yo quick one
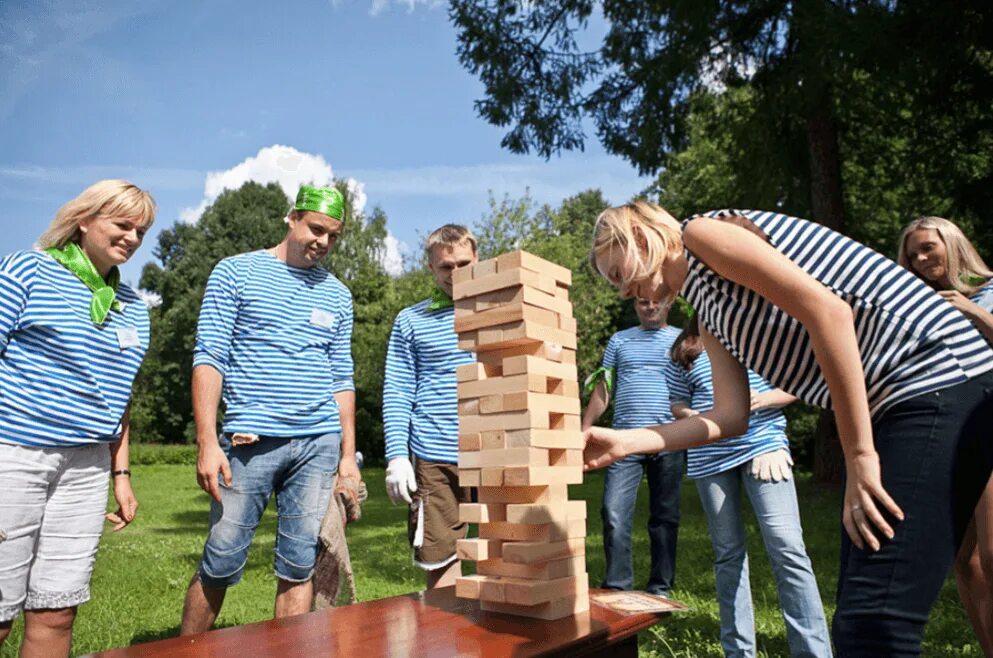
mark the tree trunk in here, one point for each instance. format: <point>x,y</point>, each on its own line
<point>828,205</point>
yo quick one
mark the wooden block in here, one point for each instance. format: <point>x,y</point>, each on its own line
<point>469,442</point>
<point>491,589</point>
<point>551,439</point>
<point>567,323</point>
<point>537,551</point>
<point>517,513</point>
<point>501,280</point>
<point>540,350</point>
<point>533,365</point>
<point>492,404</point>
<point>483,512</point>
<point>495,440</point>
<point>519,333</point>
<point>569,422</point>
<point>469,477</point>
<point>521,591</point>
<point>484,268</point>
<point>511,420</point>
<point>528,261</point>
<point>566,458</point>
<point>569,606</point>
<point>529,476</point>
<point>553,493</point>
<point>508,457</point>
<point>561,568</point>
<point>561,292</point>
<point>470,372</point>
<point>478,549</point>
<point>567,356</point>
<point>491,477</point>
<point>470,407</point>
<point>501,315</point>
<point>498,385</point>
<point>538,533</point>
<point>566,387</point>
<point>461,275</point>
<point>537,402</point>
<point>521,294</point>
<point>467,587</point>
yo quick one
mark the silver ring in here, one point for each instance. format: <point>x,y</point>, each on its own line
<point>856,508</point>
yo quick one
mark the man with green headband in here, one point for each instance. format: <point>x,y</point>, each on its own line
<point>274,337</point>
<point>420,412</point>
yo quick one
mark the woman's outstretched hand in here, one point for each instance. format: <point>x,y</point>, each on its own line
<point>864,496</point>
<point>603,447</point>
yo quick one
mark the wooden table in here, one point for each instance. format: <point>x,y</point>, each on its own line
<point>422,624</point>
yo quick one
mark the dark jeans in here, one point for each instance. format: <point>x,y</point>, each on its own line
<point>620,492</point>
<point>936,454</point>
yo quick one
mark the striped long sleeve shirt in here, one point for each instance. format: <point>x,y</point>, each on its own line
<point>911,340</point>
<point>64,380</point>
<point>420,396</point>
<point>281,337</point>
<point>638,357</point>
<point>766,428</point>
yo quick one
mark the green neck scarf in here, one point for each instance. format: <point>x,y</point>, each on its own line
<point>73,258</point>
<point>440,300</point>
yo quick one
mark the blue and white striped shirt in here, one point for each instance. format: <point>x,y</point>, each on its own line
<point>910,340</point>
<point>984,296</point>
<point>766,428</point>
<point>420,394</point>
<point>282,338</point>
<point>641,397</point>
<point>64,381</point>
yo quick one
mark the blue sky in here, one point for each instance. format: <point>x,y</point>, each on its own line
<point>183,98</point>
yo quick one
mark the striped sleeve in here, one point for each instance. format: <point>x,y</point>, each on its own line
<point>218,314</point>
<point>610,354</point>
<point>342,365</point>
<point>677,381</point>
<point>13,299</point>
<point>399,389</point>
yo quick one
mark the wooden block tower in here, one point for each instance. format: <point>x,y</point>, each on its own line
<point>520,442</point>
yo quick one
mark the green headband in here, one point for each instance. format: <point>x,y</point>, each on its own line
<point>325,200</point>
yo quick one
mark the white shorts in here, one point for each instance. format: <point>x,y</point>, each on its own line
<point>52,511</point>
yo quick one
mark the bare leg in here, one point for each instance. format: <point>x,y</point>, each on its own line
<point>974,571</point>
<point>201,607</point>
<point>445,576</point>
<point>47,633</point>
<point>293,598</point>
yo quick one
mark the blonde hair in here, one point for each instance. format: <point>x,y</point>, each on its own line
<point>616,228</point>
<point>107,198</point>
<point>964,262</point>
<point>450,235</point>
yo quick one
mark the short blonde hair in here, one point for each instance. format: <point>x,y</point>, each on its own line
<point>450,235</point>
<point>108,198</point>
<point>964,262</point>
<point>616,228</point>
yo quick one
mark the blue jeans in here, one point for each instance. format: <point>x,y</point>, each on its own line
<point>775,506</point>
<point>620,492</point>
<point>935,455</point>
<point>300,471</point>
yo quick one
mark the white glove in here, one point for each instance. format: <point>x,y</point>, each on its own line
<point>400,480</point>
<point>775,466</point>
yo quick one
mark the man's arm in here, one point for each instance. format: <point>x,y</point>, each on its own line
<point>347,467</point>
<point>207,382</point>
<point>343,372</point>
<point>599,402</point>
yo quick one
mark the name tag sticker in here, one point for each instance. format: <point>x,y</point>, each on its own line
<point>322,318</point>
<point>127,337</point>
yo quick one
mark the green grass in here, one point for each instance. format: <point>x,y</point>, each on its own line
<point>142,572</point>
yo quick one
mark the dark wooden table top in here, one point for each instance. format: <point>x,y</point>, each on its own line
<point>433,623</point>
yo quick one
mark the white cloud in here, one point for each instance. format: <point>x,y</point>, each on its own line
<point>393,258</point>
<point>379,6</point>
<point>151,299</point>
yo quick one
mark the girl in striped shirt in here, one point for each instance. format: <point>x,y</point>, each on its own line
<point>840,326</point>
<point>72,337</point>
<point>758,462</point>
<point>937,251</point>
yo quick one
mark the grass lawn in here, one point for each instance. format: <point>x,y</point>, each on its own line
<point>142,572</point>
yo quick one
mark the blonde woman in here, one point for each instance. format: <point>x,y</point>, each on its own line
<point>937,251</point>
<point>840,326</point>
<point>71,340</point>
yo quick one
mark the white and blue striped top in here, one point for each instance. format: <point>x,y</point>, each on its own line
<point>766,428</point>
<point>282,338</point>
<point>984,296</point>
<point>641,397</point>
<point>911,340</point>
<point>64,381</point>
<point>420,394</point>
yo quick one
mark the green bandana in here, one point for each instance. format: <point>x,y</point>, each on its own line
<point>325,200</point>
<point>440,300</point>
<point>608,380</point>
<point>74,259</point>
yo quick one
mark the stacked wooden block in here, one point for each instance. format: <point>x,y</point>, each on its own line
<point>520,442</point>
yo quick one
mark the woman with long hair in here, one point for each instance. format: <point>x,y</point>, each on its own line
<point>937,251</point>
<point>72,337</point>
<point>842,327</point>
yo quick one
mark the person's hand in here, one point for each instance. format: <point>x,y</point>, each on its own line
<point>210,460</point>
<point>757,401</point>
<point>603,447</point>
<point>349,468</point>
<point>960,301</point>
<point>863,494</point>
<point>400,480</point>
<point>772,466</point>
<point>127,504</point>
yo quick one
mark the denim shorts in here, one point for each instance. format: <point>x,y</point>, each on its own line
<point>52,511</point>
<point>300,472</point>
